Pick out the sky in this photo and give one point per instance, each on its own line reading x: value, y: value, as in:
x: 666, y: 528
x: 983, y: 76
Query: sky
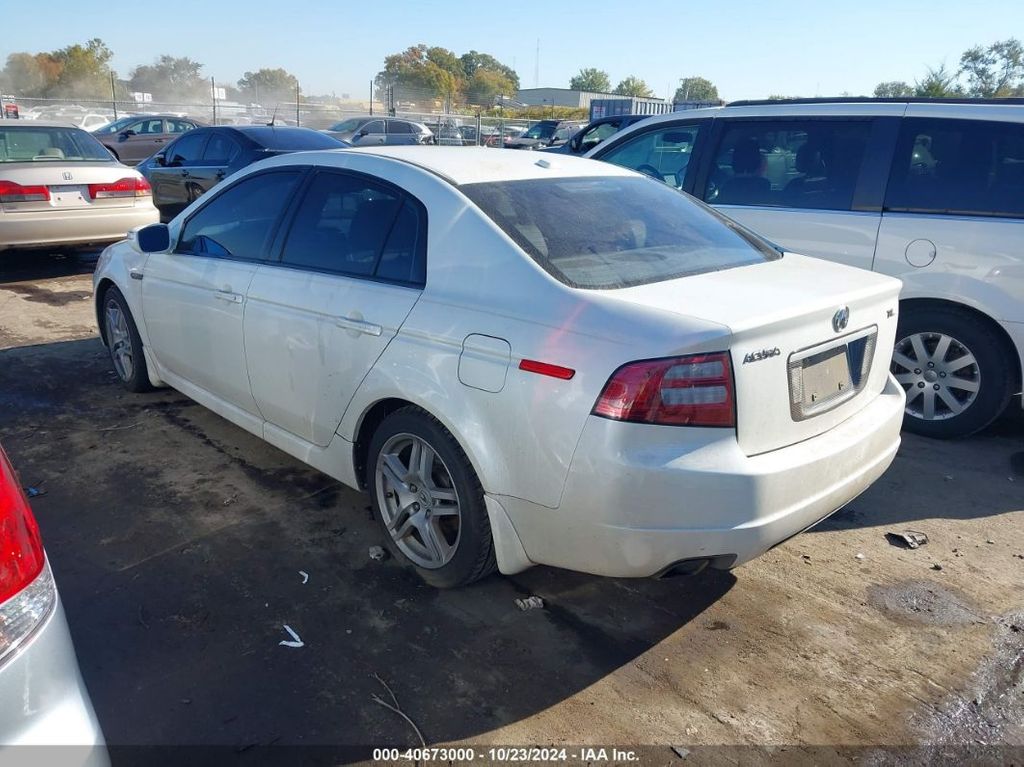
x: 748, y: 49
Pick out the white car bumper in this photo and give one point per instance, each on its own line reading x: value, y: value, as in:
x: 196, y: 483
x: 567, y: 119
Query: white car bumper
x: 33, y: 229
x: 43, y: 702
x: 639, y: 499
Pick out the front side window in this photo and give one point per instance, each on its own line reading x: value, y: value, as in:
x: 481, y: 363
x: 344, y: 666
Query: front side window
x: 377, y: 126
x: 150, y: 127
x: 958, y: 167
x: 349, y: 125
x: 615, y: 231
x: 238, y: 222
x: 663, y: 154
x: 789, y: 163
x: 187, y: 150
x: 349, y: 225
x: 596, y: 135
x: 29, y: 144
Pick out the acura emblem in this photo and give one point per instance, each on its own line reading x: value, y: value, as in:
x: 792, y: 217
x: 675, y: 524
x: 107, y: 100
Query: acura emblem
x: 841, y: 319
x: 66, y: 175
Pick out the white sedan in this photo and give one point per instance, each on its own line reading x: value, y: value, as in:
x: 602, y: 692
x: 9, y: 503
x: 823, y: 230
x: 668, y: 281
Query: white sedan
x: 59, y: 187
x: 523, y: 360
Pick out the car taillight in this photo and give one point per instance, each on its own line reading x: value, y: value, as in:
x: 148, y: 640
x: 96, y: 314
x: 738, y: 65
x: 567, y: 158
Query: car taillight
x: 27, y: 593
x: 11, y: 192
x: 695, y: 390
x: 125, y: 187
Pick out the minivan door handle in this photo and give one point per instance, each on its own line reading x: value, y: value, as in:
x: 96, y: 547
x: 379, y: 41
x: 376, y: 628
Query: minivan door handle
x: 227, y: 295
x: 360, y: 326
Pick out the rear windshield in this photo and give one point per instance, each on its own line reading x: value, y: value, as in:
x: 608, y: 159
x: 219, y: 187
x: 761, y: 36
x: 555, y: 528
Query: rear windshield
x: 38, y: 144
x: 294, y: 139
x: 616, y: 232
x: 541, y: 131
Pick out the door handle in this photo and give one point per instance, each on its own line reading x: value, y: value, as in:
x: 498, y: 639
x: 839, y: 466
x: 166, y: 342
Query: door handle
x: 186, y: 174
x: 360, y: 326
x: 227, y: 295
x: 220, y: 175
x: 159, y: 140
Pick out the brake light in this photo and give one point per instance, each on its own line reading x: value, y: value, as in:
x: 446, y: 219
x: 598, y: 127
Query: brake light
x: 21, y: 549
x: 695, y: 390
x: 11, y: 192
x: 125, y: 187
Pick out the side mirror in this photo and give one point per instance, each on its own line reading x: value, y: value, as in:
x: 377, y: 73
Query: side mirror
x: 160, y: 159
x: 127, y: 133
x: 362, y: 132
x: 155, y: 238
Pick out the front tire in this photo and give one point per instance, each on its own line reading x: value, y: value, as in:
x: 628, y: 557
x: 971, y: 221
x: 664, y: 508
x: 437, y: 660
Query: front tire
x: 428, y: 500
x: 124, y: 343
x: 955, y: 369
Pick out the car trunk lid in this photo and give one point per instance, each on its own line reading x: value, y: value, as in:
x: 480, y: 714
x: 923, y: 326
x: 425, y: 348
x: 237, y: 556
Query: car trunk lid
x: 53, y: 186
x: 810, y: 340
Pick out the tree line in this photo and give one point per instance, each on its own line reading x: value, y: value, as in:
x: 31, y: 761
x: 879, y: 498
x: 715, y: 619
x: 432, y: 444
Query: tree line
x: 994, y: 71
x: 82, y: 71
x: 598, y: 81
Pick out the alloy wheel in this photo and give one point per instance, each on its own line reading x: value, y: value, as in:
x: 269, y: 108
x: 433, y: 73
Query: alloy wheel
x: 418, y: 500
x: 120, y: 341
x: 939, y: 374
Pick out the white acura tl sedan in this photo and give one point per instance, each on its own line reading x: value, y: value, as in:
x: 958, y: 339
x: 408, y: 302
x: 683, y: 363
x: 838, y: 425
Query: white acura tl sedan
x: 523, y: 360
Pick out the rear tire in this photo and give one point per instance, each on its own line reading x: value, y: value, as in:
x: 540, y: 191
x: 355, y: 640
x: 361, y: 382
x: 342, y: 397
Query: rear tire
x: 428, y: 500
x: 124, y: 343
x: 955, y: 368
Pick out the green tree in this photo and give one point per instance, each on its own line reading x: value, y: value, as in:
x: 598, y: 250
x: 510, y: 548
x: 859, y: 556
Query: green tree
x: 421, y: 72
x: 473, y: 62
x: 893, y: 89
x: 169, y: 78
x: 26, y: 74
x: 695, y: 89
x: 268, y: 86
x: 486, y: 84
x: 591, y: 79
x: 996, y: 71
x: 84, y: 71
x: 633, y: 86
x: 937, y: 83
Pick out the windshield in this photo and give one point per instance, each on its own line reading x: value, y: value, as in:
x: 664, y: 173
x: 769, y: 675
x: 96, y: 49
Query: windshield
x: 37, y: 144
x: 349, y: 125
x: 117, y: 126
x: 541, y: 131
x: 615, y: 232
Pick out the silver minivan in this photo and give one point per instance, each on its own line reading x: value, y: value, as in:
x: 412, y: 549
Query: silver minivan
x: 378, y: 131
x: 930, y: 191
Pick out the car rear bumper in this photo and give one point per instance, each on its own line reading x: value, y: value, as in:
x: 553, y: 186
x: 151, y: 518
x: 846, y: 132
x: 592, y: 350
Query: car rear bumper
x: 72, y: 227
x: 43, y: 702
x: 639, y: 499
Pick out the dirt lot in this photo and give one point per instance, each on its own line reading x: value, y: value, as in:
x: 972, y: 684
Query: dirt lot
x: 178, y: 540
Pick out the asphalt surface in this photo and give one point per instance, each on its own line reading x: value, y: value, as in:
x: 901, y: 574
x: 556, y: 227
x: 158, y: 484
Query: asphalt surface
x: 179, y: 543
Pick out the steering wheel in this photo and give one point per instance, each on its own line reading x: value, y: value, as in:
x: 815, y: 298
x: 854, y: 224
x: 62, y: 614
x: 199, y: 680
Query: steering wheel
x: 650, y: 170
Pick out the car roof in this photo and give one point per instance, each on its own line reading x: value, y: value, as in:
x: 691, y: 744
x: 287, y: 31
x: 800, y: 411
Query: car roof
x: 470, y: 165
x: 39, y: 124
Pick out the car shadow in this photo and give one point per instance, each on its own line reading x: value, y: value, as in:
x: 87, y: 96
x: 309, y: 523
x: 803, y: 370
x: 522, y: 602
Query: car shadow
x: 25, y: 265
x: 183, y: 547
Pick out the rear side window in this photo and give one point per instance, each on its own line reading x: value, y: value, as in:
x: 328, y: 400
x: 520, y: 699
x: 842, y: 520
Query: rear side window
x: 179, y: 126
x: 399, y: 126
x: 237, y: 222
x: 349, y: 225
x: 220, y: 150
x: 663, y: 154
x: 789, y: 163
x: 958, y: 167
x: 615, y: 231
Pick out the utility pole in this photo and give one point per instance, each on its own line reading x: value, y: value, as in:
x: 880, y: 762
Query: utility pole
x: 113, y: 94
x: 371, y: 98
x: 213, y: 93
x: 536, y: 67
x: 297, y: 121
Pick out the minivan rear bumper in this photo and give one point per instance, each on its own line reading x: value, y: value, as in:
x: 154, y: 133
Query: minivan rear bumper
x: 641, y: 498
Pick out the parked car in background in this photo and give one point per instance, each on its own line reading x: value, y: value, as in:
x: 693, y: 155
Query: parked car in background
x: 386, y: 316
x: 196, y: 162
x: 586, y: 138
x: 59, y: 187
x: 928, y: 191
x: 43, y: 700
x: 541, y: 134
x: 132, y: 139
x: 377, y: 131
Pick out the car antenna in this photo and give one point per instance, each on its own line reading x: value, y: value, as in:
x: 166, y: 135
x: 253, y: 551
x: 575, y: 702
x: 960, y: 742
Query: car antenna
x: 273, y: 116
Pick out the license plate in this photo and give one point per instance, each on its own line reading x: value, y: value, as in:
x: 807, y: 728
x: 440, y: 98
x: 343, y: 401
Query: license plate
x: 69, y: 195
x: 826, y: 375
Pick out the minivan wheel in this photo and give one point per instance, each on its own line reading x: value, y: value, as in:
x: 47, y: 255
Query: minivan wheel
x: 124, y: 343
x: 955, y: 370
x: 428, y: 500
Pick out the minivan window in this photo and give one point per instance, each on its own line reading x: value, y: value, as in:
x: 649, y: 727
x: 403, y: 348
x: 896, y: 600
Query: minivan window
x: 958, y: 167
x: 341, y: 225
x: 399, y: 126
x: 237, y: 222
x: 615, y: 231
x: 788, y: 163
x: 663, y: 154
